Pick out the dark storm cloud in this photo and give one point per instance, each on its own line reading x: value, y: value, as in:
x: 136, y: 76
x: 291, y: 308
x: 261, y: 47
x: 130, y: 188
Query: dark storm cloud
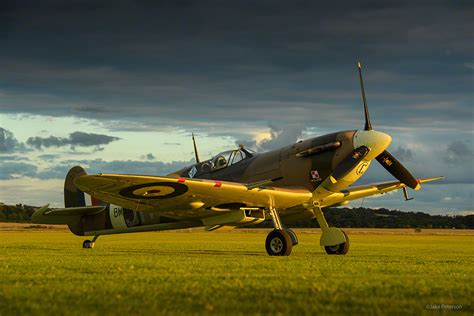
x: 403, y: 154
x: 13, y: 158
x: 91, y: 109
x: 49, y: 157
x: 116, y: 166
x: 8, y: 142
x: 148, y: 156
x: 458, y: 152
x: 11, y: 170
x: 170, y: 62
x: 51, y: 141
x: 451, y: 159
x: 74, y: 139
x: 90, y: 139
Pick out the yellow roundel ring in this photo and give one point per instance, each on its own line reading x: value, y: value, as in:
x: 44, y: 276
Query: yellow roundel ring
x: 155, y: 190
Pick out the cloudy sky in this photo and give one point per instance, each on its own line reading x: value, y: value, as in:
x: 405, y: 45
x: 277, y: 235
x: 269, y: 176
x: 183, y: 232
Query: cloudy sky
x: 119, y: 86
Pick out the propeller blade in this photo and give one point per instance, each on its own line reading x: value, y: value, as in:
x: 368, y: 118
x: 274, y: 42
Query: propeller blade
x: 397, y: 170
x: 368, y: 125
x: 349, y: 162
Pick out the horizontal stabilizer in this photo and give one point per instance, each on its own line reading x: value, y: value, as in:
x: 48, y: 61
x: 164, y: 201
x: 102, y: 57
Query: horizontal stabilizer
x: 75, y: 211
x: 46, y: 215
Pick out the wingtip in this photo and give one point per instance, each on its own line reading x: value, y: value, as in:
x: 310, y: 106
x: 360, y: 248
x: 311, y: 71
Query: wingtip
x: 420, y: 181
x: 431, y: 179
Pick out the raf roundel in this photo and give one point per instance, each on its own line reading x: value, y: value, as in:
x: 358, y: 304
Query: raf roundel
x: 155, y: 190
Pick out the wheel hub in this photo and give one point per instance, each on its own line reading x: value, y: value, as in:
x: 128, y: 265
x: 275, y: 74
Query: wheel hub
x: 276, y: 244
x: 334, y: 248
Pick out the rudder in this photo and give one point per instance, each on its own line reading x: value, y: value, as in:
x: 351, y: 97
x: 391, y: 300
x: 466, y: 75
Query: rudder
x: 73, y: 197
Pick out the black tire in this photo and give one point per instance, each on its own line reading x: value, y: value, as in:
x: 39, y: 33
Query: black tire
x: 340, y: 249
x: 294, y: 238
x: 87, y: 244
x: 278, y: 243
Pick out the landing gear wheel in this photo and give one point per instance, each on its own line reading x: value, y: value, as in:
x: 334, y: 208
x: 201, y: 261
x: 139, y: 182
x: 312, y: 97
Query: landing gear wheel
x: 340, y: 249
x: 88, y: 244
x: 294, y: 238
x: 278, y: 243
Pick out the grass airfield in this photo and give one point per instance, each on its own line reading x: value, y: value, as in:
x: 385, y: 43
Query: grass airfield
x: 385, y: 272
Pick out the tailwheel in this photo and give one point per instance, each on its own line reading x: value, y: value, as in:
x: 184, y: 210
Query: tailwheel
x: 278, y: 243
x: 88, y: 244
x: 340, y: 249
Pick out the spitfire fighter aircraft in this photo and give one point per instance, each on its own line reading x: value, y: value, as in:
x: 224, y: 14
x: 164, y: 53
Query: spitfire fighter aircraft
x: 236, y: 188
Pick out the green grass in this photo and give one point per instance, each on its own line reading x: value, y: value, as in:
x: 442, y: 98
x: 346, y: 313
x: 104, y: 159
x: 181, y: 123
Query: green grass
x: 45, y: 272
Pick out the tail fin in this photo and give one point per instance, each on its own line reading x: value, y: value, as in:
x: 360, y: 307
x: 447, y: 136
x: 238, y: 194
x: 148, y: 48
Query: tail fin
x: 73, y: 197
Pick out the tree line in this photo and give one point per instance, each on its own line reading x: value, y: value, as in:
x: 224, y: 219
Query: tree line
x: 341, y: 217
x: 383, y: 218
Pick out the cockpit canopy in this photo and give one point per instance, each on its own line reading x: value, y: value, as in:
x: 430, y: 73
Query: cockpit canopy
x: 228, y: 158
x: 219, y: 161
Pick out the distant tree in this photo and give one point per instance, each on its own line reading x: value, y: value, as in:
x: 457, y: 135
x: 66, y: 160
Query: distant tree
x: 340, y: 217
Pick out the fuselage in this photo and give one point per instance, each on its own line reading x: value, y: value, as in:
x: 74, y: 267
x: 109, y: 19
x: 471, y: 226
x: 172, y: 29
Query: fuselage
x: 302, y: 164
x: 306, y: 164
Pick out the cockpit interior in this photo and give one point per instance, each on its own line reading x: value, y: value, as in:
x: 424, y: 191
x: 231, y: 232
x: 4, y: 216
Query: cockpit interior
x: 228, y: 158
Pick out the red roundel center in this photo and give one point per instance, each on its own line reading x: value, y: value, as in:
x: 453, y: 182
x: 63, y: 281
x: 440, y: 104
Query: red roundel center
x: 153, y: 191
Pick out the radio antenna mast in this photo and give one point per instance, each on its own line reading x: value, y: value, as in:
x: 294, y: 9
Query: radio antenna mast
x: 195, y: 150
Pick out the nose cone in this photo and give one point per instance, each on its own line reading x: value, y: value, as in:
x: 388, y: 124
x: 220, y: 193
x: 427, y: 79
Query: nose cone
x: 377, y: 142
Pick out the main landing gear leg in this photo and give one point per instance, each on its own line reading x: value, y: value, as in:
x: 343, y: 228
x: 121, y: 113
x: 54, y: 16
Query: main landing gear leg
x: 334, y: 240
x: 280, y: 241
x: 90, y: 243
